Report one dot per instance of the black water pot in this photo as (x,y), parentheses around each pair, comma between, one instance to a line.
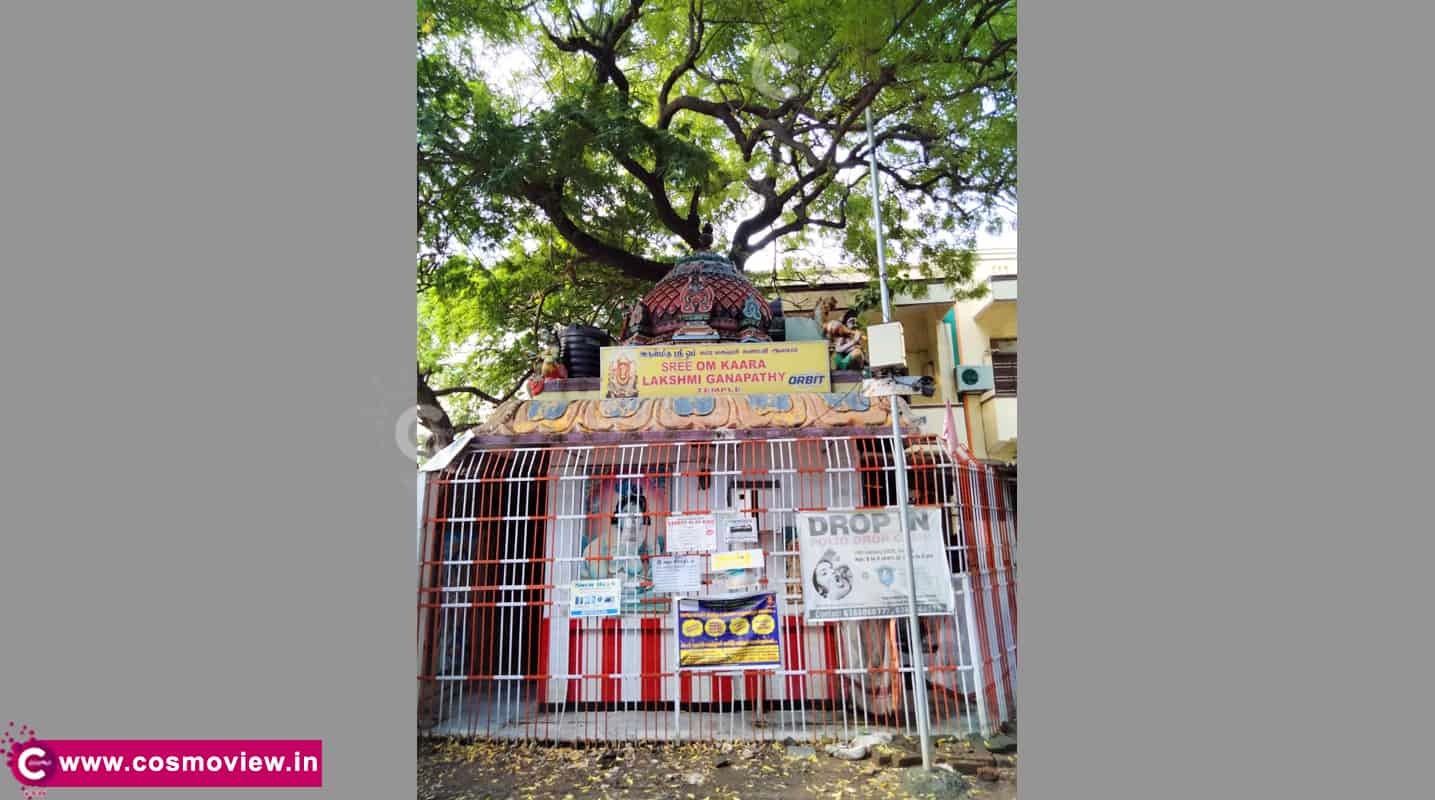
(579,347)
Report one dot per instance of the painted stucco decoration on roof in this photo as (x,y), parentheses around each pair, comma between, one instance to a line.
(633,415)
(703,298)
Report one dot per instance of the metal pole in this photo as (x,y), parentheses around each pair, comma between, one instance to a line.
(877,221)
(899,460)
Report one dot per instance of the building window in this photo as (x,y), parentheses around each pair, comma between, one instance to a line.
(1004,367)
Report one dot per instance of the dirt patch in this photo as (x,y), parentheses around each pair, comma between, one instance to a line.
(451,770)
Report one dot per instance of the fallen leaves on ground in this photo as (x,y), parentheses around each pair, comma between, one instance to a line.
(489,770)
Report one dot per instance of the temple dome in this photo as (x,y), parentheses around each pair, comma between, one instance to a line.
(703,299)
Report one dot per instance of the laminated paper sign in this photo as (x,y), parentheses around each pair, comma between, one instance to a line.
(854,564)
(729,633)
(740,530)
(736,570)
(677,574)
(692,533)
(596,598)
(737,559)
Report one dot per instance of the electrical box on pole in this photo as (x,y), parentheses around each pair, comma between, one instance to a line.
(886,345)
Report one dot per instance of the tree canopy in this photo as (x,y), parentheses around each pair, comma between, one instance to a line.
(568,151)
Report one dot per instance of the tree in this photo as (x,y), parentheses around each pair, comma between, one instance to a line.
(480,326)
(641,122)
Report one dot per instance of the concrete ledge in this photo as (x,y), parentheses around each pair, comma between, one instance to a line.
(571,385)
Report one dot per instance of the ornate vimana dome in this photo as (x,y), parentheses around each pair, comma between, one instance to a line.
(703,299)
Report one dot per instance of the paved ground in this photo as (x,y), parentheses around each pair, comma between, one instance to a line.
(452,770)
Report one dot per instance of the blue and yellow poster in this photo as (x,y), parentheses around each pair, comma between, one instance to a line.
(729,633)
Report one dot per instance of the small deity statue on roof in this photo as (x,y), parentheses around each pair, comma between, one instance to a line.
(824,309)
(845,338)
(550,368)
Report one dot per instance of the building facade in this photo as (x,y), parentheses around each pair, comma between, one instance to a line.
(943,334)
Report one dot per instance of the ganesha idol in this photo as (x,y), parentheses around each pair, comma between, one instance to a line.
(622,378)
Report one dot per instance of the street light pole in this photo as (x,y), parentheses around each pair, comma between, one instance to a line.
(899,459)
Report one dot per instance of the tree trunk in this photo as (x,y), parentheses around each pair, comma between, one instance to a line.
(433,416)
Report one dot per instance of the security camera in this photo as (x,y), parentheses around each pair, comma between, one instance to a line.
(923,384)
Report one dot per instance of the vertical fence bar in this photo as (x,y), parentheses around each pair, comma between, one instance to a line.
(975,655)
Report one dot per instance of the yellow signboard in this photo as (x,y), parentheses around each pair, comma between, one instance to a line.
(718,368)
(737,559)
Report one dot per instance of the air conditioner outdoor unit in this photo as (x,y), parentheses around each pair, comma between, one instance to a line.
(974,378)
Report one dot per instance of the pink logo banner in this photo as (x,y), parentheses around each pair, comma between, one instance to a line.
(165,763)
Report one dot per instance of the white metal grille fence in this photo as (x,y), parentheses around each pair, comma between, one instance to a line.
(503,531)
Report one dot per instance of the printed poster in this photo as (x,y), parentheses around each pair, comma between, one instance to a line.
(735,633)
(624,530)
(854,564)
(595,598)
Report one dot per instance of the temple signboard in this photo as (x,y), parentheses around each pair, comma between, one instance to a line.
(682,369)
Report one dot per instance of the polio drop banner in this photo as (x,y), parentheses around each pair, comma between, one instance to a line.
(854,564)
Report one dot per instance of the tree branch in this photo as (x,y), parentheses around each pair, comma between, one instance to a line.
(695,41)
(802,220)
(475,391)
(550,200)
(686,229)
(602,45)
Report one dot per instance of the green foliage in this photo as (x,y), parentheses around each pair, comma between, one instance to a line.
(486,326)
(568,150)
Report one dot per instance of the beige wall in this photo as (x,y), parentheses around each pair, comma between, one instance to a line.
(929,350)
(975,339)
(999,427)
(990,418)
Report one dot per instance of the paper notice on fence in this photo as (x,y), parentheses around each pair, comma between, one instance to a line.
(740,530)
(694,533)
(677,574)
(854,564)
(596,598)
(737,559)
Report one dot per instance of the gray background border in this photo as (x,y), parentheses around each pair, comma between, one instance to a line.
(207,325)
(1221,391)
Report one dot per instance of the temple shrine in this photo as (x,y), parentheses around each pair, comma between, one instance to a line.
(712,416)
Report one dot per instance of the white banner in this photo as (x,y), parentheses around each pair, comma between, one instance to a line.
(854,564)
